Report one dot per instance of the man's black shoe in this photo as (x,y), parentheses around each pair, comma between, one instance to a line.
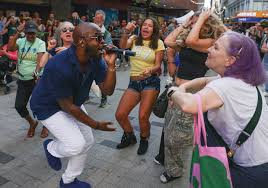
(127,139)
(143,146)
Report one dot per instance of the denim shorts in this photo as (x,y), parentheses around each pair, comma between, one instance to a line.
(151,83)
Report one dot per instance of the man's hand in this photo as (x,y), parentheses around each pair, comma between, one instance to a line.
(109,57)
(104,126)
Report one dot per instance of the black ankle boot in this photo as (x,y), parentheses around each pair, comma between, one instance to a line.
(143,146)
(127,139)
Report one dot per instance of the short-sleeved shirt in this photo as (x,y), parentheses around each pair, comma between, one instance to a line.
(192,64)
(61,79)
(145,57)
(239,104)
(27,56)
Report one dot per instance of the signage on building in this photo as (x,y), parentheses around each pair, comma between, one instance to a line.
(253,14)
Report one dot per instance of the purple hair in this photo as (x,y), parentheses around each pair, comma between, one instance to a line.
(248,65)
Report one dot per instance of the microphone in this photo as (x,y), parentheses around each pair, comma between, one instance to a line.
(119,51)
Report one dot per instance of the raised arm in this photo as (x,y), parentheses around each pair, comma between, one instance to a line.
(193,41)
(170,40)
(43,61)
(12,46)
(108,86)
(125,41)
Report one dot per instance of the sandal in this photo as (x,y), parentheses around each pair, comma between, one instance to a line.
(44,132)
(31,130)
(165,177)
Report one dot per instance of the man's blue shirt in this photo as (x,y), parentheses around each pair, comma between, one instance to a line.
(62,78)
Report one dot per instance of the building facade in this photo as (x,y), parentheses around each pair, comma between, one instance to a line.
(233,7)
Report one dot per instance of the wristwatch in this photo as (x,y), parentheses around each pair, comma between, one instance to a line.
(170,93)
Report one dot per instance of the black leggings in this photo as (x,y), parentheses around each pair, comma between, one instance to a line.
(24,91)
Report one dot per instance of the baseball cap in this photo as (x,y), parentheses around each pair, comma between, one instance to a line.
(30,27)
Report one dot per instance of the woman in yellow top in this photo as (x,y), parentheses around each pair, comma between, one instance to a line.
(144,85)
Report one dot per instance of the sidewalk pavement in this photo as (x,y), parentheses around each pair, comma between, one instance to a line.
(23,163)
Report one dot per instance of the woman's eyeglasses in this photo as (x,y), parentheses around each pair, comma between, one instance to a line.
(64,30)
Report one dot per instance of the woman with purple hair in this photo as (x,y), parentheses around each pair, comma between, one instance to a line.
(230,101)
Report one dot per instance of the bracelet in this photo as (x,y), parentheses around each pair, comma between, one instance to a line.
(111,70)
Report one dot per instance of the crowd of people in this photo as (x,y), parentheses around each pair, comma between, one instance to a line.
(59,60)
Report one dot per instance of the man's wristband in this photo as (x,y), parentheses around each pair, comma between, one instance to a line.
(97,125)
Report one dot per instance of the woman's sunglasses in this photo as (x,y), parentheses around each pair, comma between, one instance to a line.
(64,30)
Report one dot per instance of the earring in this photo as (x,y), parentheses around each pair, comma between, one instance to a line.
(82,45)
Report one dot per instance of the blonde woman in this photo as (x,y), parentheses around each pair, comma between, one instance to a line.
(178,125)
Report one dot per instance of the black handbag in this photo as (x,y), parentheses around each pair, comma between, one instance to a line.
(161,104)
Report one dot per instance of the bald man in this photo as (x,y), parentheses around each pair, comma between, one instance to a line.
(57,101)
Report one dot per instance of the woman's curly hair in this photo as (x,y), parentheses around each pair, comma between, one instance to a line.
(155,36)
(212,28)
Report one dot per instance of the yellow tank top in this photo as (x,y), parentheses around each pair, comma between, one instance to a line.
(145,57)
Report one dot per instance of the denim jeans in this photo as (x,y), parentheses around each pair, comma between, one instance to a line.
(152,82)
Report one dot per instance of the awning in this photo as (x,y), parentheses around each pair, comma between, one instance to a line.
(250,16)
(32,2)
(247,20)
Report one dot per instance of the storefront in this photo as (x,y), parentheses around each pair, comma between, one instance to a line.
(17,7)
(250,16)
